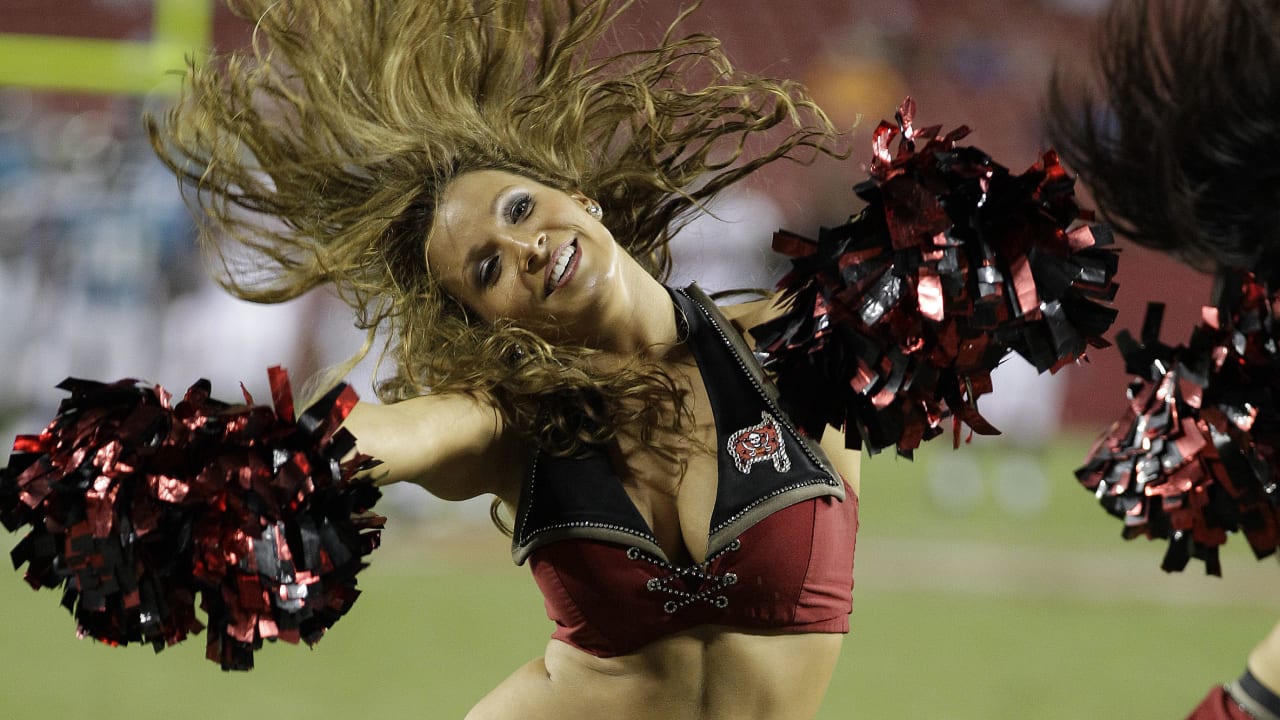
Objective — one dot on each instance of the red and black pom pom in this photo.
(135, 507)
(896, 319)
(1194, 457)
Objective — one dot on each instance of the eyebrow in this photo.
(478, 252)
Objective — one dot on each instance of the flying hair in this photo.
(316, 156)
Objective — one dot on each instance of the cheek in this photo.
(448, 276)
(501, 302)
(452, 291)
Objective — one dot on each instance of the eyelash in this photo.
(519, 208)
(489, 271)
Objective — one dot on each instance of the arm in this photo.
(848, 462)
(1264, 661)
(454, 445)
(1252, 696)
(747, 315)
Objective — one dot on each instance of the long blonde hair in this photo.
(316, 156)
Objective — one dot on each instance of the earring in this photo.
(594, 210)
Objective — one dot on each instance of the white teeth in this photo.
(562, 262)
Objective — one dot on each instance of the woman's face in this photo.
(510, 247)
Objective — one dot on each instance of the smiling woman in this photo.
(493, 186)
(509, 247)
(428, 92)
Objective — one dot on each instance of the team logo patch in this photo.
(758, 443)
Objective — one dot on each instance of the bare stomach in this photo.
(708, 673)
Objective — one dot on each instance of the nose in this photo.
(533, 251)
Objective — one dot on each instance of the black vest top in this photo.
(765, 464)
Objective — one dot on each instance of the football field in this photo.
(977, 597)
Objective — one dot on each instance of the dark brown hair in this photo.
(1180, 142)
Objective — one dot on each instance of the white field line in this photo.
(1128, 573)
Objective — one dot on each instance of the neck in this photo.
(645, 318)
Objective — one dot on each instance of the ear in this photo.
(592, 207)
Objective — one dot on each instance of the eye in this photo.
(519, 207)
(488, 271)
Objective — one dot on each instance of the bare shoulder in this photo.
(747, 315)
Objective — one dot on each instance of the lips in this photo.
(562, 265)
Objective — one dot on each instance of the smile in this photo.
(562, 266)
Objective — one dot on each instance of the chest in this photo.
(680, 494)
(675, 496)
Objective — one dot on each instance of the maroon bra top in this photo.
(781, 538)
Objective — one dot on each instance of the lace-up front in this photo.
(711, 583)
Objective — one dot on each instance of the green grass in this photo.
(436, 628)
(939, 655)
(429, 644)
(898, 491)
(425, 642)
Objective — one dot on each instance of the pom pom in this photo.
(1193, 457)
(896, 319)
(135, 507)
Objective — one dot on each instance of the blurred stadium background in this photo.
(988, 584)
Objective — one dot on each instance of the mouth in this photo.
(562, 265)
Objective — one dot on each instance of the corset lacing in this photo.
(708, 592)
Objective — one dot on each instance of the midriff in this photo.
(707, 673)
